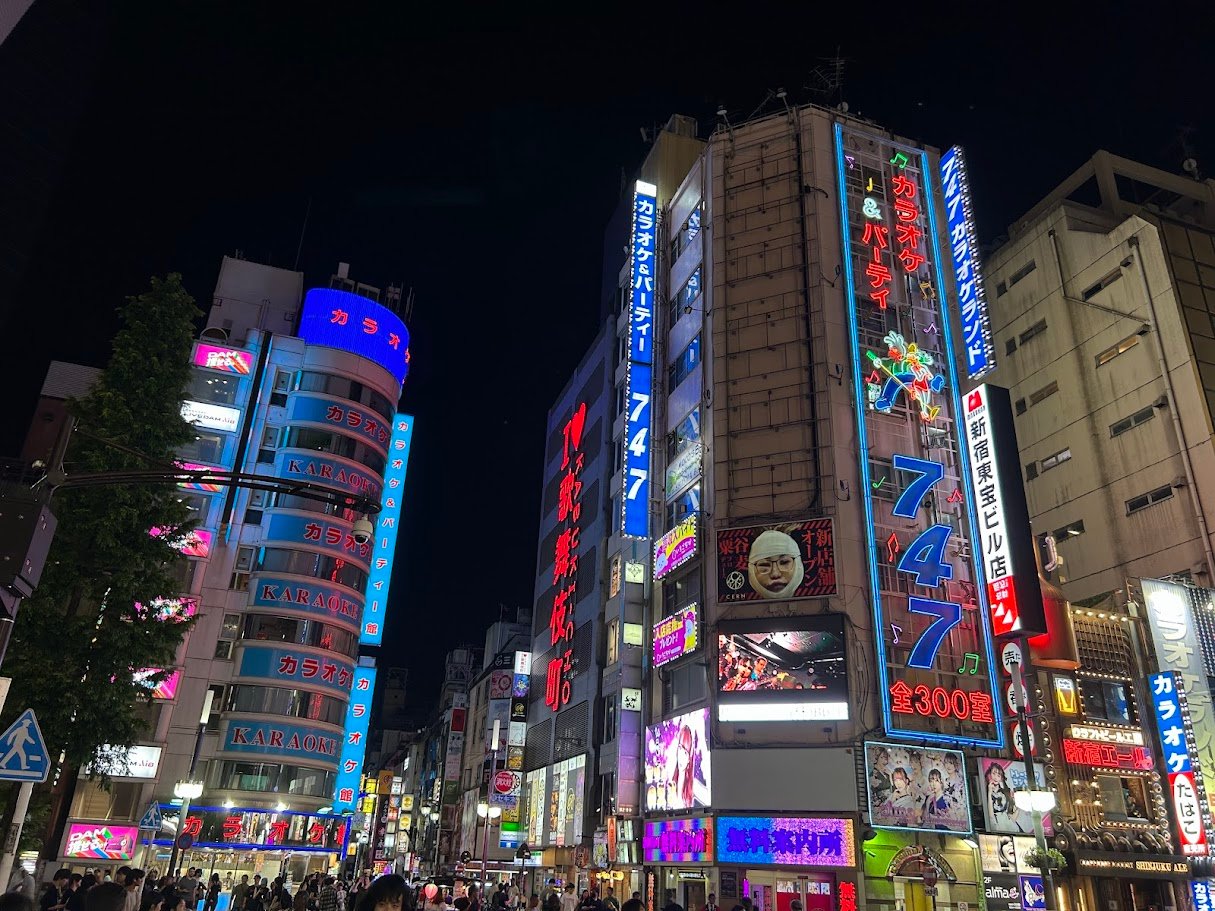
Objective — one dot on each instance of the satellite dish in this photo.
(1190, 166)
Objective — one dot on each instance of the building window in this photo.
(613, 640)
(1036, 329)
(1114, 350)
(242, 568)
(1020, 406)
(683, 685)
(118, 801)
(1105, 700)
(217, 706)
(1001, 289)
(205, 448)
(609, 717)
(1106, 280)
(1149, 499)
(679, 592)
(1044, 393)
(682, 300)
(1010, 346)
(1022, 272)
(1071, 530)
(688, 360)
(1031, 471)
(1142, 416)
(1053, 461)
(684, 505)
(1123, 798)
(686, 234)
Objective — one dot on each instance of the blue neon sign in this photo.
(908, 698)
(964, 244)
(353, 323)
(639, 384)
(386, 522)
(306, 595)
(273, 738)
(354, 744)
(288, 666)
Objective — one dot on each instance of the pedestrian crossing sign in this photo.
(23, 754)
(151, 819)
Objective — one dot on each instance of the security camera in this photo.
(362, 530)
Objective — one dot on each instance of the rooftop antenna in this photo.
(784, 99)
(725, 118)
(408, 309)
(303, 230)
(827, 80)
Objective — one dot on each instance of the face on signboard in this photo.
(774, 565)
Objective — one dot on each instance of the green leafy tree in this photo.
(79, 640)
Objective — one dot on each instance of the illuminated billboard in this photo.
(782, 669)
(676, 636)
(354, 743)
(100, 841)
(225, 360)
(358, 325)
(337, 414)
(639, 375)
(776, 562)
(678, 767)
(1187, 789)
(211, 416)
(917, 789)
(1014, 595)
(998, 780)
(786, 841)
(675, 548)
(967, 269)
(936, 667)
(684, 840)
(384, 544)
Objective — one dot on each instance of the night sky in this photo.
(475, 155)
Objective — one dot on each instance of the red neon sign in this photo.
(1107, 755)
(565, 562)
(965, 705)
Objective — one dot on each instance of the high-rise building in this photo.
(262, 724)
(1103, 308)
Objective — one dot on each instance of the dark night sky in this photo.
(475, 154)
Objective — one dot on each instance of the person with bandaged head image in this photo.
(774, 565)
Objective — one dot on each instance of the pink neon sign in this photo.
(225, 360)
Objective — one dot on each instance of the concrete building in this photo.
(265, 716)
(1103, 312)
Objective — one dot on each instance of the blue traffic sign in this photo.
(151, 819)
(23, 755)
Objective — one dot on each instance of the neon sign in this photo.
(678, 841)
(639, 378)
(786, 841)
(557, 686)
(935, 653)
(1013, 592)
(968, 275)
(354, 744)
(1173, 724)
(675, 636)
(358, 325)
(225, 360)
(337, 414)
(1106, 755)
(675, 548)
(386, 521)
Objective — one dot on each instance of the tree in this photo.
(82, 636)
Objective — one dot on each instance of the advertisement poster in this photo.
(678, 774)
(1005, 853)
(101, 841)
(776, 562)
(786, 653)
(566, 799)
(675, 636)
(675, 548)
(998, 779)
(912, 788)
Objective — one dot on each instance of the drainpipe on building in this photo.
(1162, 363)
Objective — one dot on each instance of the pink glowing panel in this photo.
(786, 841)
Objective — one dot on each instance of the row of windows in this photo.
(214, 388)
(1002, 287)
(1036, 329)
(278, 700)
(344, 388)
(688, 360)
(270, 777)
(298, 562)
(271, 628)
(1151, 498)
(336, 444)
(1051, 461)
(683, 299)
(682, 239)
(1036, 398)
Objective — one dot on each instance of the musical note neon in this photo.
(851, 160)
(932, 327)
(969, 660)
(896, 629)
(955, 497)
(892, 546)
(877, 485)
(869, 186)
(899, 160)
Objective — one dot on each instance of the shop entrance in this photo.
(694, 894)
(914, 897)
(776, 891)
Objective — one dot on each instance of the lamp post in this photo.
(485, 811)
(1031, 800)
(434, 817)
(189, 789)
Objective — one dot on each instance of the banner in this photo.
(912, 788)
(776, 562)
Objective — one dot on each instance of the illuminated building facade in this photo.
(288, 594)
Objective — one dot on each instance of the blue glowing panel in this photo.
(637, 452)
(384, 544)
(964, 245)
(275, 738)
(354, 746)
(639, 383)
(286, 666)
(310, 596)
(936, 668)
(351, 322)
(317, 532)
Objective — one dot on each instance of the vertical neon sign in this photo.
(935, 655)
(639, 382)
(565, 562)
(1176, 731)
(968, 273)
(354, 745)
(386, 520)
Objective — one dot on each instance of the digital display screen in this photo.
(678, 771)
(782, 659)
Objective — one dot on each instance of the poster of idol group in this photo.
(915, 788)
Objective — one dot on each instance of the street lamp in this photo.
(488, 813)
(185, 790)
(1039, 802)
(434, 817)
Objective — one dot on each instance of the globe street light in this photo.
(486, 812)
(185, 790)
